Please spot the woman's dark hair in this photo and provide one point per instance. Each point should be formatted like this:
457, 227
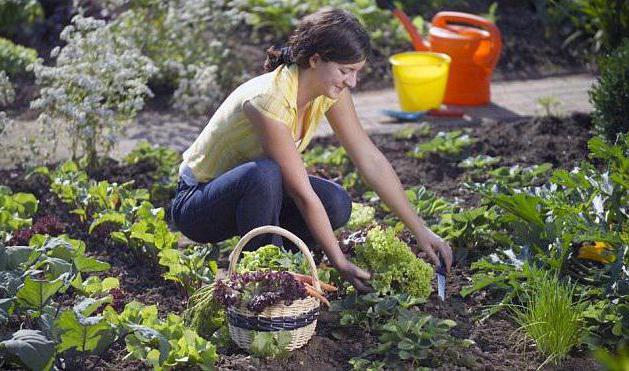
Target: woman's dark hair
333, 33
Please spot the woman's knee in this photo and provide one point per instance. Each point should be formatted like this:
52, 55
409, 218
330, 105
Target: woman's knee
340, 208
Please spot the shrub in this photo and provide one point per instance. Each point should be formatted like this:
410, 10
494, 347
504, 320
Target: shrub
610, 96
189, 43
7, 93
15, 58
551, 318
97, 85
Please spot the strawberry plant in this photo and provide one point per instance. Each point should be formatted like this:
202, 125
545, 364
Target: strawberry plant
413, 339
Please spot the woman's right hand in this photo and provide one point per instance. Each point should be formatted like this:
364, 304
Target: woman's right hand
356, 276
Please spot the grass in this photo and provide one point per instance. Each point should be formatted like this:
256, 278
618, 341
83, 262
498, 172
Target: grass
551, 317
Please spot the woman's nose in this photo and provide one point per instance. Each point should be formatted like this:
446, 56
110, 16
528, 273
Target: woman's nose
351, 80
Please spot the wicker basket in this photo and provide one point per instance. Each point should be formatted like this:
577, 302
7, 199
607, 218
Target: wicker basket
299, 319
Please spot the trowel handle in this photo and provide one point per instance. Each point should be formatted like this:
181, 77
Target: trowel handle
443, 19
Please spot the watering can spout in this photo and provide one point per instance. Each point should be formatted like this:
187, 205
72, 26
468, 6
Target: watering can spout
418, 43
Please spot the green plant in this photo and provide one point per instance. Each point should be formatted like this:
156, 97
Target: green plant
14, 59
549, 105
270, 344
550, 317
450, 145
395, 267
414, 339
16, 211
611, 361
163, 343
362, 216
423, 130
274, 258
609, 96
16, 15
190, 268
479, 162
32, 347
330, 156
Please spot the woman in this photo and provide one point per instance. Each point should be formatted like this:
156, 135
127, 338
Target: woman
244, 170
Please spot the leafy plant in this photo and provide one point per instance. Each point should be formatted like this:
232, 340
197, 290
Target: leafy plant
362, 216
450, 145
32, 347
14, 59
163, 343
414, 338
190, 268
395, 267
16, 211
423, 130
270, 344
611, 114
330, 156
272, 258
479, 162
550, 317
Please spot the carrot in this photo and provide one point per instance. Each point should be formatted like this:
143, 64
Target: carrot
308, 279
316, 294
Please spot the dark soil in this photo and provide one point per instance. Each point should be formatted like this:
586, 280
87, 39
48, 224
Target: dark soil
498, 346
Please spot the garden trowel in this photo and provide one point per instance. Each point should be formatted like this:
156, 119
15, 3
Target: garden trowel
441, 279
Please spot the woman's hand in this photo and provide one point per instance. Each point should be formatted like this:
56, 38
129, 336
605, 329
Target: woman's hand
433, 244
355, 275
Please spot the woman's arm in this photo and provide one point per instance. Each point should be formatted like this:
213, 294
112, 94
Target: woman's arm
380, 176
278, 144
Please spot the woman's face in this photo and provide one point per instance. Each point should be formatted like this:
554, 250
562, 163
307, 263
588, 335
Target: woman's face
334, 77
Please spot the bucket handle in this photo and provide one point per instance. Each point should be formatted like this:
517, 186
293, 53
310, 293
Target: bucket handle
442, 19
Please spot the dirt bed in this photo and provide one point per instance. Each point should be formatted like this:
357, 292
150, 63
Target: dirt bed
561, 142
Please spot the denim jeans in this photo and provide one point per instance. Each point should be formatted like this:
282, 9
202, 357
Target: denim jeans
249, 196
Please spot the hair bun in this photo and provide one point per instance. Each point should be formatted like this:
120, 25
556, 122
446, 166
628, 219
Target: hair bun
277, 56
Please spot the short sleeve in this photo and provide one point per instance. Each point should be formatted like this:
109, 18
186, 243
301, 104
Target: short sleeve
273, 107
327, 103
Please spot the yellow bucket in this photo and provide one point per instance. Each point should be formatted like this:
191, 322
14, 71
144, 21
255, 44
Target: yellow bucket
420, 79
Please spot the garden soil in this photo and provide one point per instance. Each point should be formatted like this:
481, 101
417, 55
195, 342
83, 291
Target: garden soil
498, 346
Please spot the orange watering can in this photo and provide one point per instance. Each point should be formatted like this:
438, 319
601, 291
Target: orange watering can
472, 42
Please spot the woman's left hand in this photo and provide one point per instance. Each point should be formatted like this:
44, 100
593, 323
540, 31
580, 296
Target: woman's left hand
433, 245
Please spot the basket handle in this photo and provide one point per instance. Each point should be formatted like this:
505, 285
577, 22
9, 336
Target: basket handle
233, 259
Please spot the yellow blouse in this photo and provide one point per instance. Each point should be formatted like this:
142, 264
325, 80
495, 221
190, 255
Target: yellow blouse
229, 139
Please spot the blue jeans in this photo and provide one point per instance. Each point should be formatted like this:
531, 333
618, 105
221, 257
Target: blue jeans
249, 196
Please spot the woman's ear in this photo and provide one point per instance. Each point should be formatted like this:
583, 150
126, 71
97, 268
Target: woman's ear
314, 60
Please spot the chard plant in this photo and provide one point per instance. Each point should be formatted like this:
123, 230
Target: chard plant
16, 211
96, 86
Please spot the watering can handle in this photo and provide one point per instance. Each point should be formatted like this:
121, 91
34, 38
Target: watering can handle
442, 19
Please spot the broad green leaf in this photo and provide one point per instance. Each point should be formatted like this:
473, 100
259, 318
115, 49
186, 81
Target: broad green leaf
86, 264
6, 308
33, 348
10, 282
87, 306
143, 336
111, 217
12, 256
86, 334
36, 293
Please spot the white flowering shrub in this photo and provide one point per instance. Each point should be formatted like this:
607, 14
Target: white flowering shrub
4, 121
198, 91
7, 93
189, 43
97, 85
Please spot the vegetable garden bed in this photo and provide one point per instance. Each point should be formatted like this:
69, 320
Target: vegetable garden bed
561, 142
